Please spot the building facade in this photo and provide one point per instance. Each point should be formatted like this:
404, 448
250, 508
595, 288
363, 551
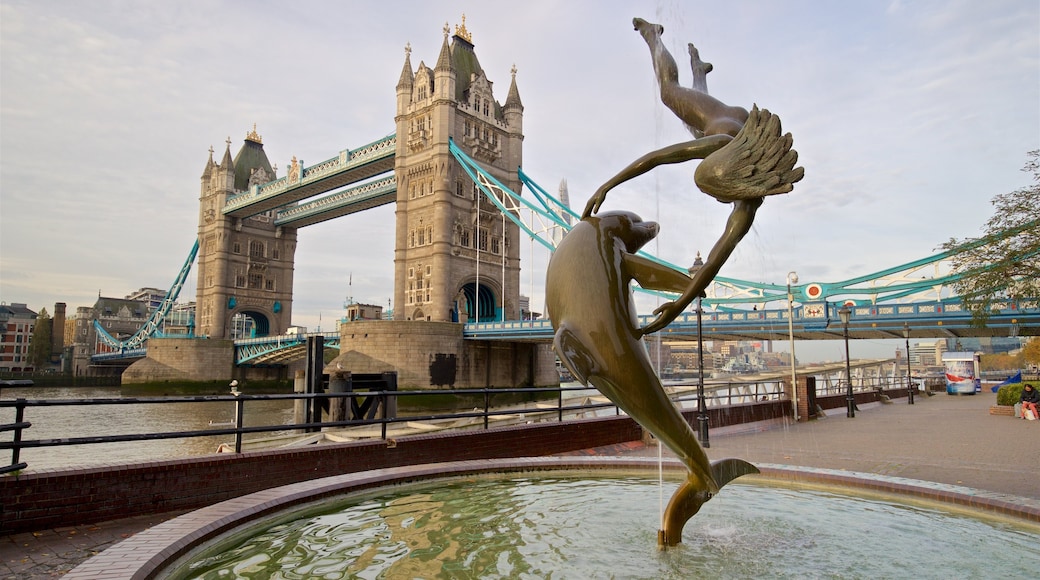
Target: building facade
120, 317
17, 323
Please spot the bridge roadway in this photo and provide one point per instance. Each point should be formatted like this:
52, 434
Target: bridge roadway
814, 321
349, 167
942, 319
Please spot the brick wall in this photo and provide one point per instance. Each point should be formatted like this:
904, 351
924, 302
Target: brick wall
50, 498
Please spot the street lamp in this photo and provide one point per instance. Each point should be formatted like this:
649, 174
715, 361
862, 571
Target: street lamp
909, 376
702, 412
844, 314
792, 278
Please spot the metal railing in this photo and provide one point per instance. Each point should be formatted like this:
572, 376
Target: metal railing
685, 396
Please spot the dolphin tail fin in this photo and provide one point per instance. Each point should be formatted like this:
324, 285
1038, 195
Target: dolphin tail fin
726, 470
692, 494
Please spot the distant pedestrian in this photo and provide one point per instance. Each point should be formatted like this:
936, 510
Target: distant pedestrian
1030, 400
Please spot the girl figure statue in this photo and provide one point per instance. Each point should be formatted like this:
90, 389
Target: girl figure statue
745, 158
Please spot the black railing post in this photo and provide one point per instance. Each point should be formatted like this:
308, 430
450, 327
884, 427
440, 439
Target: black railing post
487, 406
19, 416
559, 402
383, 398
239, 414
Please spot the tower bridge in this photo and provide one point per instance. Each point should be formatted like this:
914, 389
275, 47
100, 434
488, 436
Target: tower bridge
451, 167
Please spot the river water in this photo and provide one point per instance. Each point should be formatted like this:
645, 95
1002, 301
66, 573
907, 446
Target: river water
97, 420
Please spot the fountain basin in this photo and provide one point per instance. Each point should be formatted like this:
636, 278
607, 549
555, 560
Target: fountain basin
163, 548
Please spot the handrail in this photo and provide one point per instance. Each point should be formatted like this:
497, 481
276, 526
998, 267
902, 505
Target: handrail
717, 394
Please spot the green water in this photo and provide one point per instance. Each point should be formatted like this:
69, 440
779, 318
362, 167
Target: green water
555, 527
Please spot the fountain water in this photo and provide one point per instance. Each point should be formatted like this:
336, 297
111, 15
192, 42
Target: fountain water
570, 525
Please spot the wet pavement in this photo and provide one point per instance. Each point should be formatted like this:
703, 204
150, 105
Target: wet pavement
944, 439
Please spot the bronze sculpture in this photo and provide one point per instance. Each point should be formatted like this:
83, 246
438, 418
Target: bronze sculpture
588, 295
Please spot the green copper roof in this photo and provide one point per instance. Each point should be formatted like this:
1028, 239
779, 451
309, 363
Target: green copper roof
249, 157
464, 61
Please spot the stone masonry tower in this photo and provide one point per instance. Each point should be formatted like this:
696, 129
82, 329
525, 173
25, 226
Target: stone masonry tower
245, 266
456, 258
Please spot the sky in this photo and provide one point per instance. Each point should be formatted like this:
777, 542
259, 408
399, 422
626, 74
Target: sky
908, 117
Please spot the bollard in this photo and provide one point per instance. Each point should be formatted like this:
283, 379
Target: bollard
300, 405
339, 382
390, 403
313, 381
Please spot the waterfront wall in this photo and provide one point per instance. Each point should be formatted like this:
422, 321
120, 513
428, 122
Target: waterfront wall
49, 498
183, 359
434, 355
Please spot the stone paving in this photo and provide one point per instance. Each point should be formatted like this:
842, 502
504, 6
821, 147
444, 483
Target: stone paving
943, 439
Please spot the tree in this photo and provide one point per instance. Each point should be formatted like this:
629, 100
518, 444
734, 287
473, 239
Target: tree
40, 347
1006, 261
1000, 362
1031, 351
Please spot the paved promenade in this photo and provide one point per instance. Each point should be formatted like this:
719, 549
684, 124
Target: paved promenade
944, 439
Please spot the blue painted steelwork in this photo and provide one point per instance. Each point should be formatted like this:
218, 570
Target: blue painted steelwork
151, 327
350, 166
367, 196
900, 283
271, 350
812, 321
120, 355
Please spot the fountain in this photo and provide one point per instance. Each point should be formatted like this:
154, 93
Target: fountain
580, 517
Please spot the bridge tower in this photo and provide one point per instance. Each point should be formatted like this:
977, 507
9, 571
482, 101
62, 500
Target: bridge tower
456, 258
245, 265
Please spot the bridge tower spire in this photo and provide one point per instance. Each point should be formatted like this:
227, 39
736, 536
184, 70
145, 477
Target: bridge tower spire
245, 265
456, 258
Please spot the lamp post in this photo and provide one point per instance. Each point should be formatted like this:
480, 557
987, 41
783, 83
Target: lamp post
792, 278
702, 412
844, 314
909, 376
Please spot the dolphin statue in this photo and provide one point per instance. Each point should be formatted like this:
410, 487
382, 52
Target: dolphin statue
598, 338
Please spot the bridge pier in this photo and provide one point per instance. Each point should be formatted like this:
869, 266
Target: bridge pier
429, 355
183, 359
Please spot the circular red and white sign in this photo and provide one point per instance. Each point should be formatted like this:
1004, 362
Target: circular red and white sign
814, 291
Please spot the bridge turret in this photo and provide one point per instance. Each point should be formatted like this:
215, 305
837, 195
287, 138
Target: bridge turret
207, 172
514, 109
405, 83
224, 178
444, 71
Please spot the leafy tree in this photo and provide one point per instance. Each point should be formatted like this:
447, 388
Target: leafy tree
40, 347
1031, 352
1006, 261
1000, 362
